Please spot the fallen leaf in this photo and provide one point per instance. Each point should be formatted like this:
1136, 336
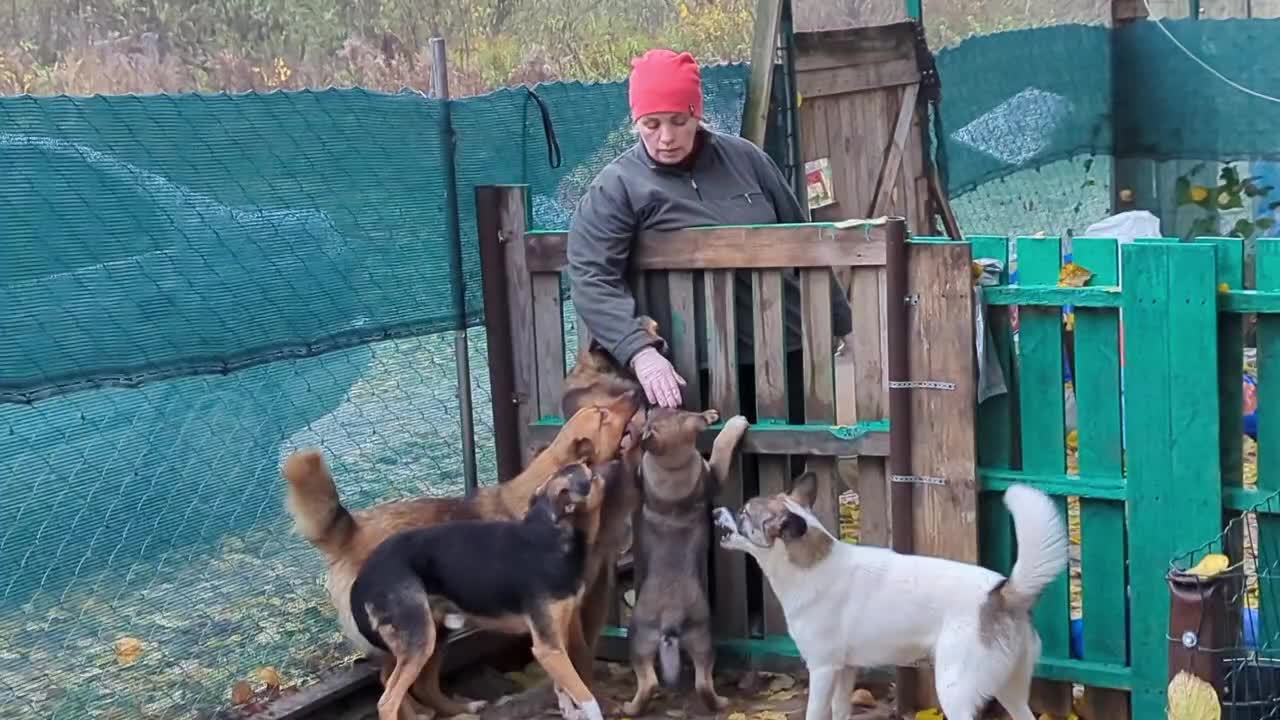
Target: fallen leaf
783, 695
1224, 288
929, 714
1073, 275
769, 715
269, 676
241, 693
1210, 565
127, 650
862, 697
737, 716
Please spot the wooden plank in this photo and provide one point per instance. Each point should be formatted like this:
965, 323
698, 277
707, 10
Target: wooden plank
865, 440
764, 43
997, 419
870, 400
821, 49
682, 334
1102, 556
584, 332
729, 568
1044, 449
548, 333
857, 79
819, 384
771, 403
940, 348
741, 247
889, 172
1172, 475
1265, 539
513, 218
490, 201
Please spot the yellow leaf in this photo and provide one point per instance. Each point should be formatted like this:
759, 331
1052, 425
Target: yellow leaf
929, 714
1199, 193
1191, 698
1073, 275
1224, 288
241, 693
683, 11
1073, 440
1210, 565
769, 715
127, 650
862, 697
269, 676
783, 695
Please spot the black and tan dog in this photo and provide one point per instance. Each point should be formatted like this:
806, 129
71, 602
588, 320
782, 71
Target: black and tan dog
673, 538
497, 574
593, 435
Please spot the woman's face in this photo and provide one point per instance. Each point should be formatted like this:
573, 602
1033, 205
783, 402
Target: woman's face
668, 137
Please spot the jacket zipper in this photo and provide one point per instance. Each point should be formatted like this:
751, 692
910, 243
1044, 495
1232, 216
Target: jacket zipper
694, 183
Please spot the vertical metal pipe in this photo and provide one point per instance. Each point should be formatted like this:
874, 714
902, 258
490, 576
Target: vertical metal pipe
462, 358
897, 318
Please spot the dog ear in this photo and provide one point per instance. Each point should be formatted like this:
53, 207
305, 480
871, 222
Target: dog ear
584, 448
805, 489
793, 527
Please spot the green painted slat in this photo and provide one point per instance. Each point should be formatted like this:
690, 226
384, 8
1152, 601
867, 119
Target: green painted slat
997, 420
1249, 301
1170, 380
1042, 294
1040, 399
1229, 254
1097, 387
1093, 487
1094, 674
1268, 534
1242, 499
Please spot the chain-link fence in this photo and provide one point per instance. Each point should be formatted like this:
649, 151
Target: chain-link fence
190, 288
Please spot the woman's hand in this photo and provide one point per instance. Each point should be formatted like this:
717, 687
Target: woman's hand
658, 377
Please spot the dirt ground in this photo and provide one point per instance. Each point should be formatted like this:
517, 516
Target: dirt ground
524, 695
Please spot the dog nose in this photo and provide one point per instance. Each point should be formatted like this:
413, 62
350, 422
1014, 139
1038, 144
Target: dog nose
581, 481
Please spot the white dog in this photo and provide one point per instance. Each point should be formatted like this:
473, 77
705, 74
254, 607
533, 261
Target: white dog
851, 606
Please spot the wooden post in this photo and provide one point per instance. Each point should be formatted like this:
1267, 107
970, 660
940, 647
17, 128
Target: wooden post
764, 40
939, 385
501, 223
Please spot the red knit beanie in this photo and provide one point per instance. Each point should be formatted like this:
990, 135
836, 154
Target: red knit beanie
664, 81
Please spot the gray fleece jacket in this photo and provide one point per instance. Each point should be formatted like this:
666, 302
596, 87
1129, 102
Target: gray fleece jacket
730, 182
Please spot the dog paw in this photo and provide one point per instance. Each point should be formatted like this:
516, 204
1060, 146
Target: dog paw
475, 707
737, 423
713, 702
633, 708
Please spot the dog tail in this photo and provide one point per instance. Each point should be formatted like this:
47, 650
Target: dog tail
1042, 546
669, 657
312, 501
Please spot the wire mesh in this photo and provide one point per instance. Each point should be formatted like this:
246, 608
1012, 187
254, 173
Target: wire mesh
1246, 653
192, 287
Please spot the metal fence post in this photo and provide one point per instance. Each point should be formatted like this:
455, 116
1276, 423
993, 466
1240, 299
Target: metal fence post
462, 358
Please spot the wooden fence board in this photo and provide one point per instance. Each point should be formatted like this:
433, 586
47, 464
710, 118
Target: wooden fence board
548, 333
771, 403
1102, 558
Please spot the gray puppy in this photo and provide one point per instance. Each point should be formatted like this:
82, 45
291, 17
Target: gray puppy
671, 544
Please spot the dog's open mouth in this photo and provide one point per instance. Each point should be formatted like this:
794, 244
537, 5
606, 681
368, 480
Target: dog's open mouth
725, 523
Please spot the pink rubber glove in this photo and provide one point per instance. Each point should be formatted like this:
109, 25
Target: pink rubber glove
659, 379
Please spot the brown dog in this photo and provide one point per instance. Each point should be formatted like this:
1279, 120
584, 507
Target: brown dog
673, 538
594, 435
527, 571
596, 376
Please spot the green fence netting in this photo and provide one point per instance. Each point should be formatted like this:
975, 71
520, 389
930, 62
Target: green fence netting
192, 286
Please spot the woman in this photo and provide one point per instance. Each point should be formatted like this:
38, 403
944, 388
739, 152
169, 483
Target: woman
679, 175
